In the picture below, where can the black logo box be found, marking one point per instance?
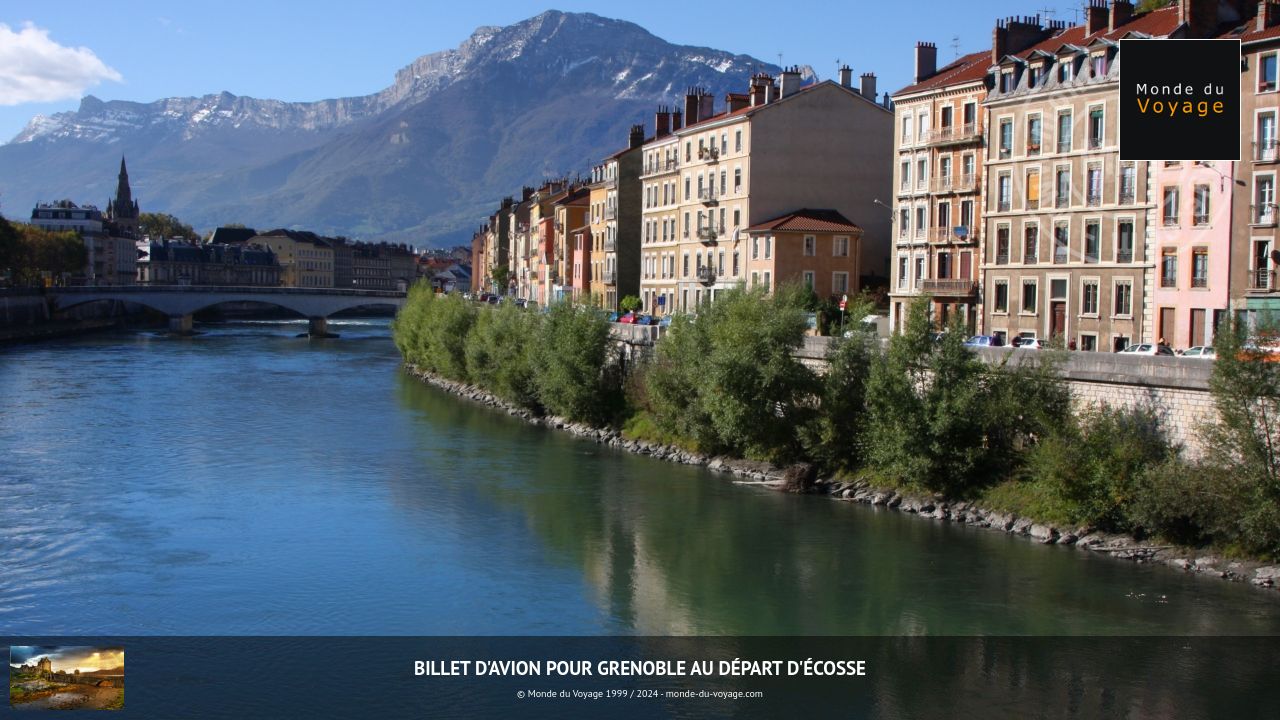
(1193, 65)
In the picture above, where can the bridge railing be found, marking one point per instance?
(228, 289)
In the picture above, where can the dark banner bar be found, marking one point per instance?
(646, 677)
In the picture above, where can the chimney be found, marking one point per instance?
(706, 104)
(1268, 14)
(691, 106)
(636, 139)
(846, 76)
(868, 88)
(1200, 17)
(662, 122)
(790, 81)
(1095, 16)
(1015, 34)
(758, 83)
(677, 121)
(770, 92)
(735, 101)
(926, 60)
(1121, 11)
(526, 193)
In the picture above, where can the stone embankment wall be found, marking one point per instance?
(1176, 388)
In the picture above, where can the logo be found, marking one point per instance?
(1179, 99)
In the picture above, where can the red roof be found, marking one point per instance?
(966, 69)
(807, 220)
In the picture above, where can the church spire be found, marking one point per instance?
(123, 209)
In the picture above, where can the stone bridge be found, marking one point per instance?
(180, 302)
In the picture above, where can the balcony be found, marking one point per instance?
(953, 135)
(709, 233)
(1002, 258)
(1032, 203)
(610, 244)
(1126, 196)
(1124, 255)
(1261, 280)
(948, 235)
(1199, 219)
(1263, 214)
(1064, 146)
(609, 277)
(1030, 256)
(1061, 201)
(708, 196)
(610, 212)
(1095, 143)
(706, 274)
(1265, 152)
(1093, 200)
(952, 288)
(1005, 153)
(1199, 281)
(1060, 256)
(710, 154)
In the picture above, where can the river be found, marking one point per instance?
(249, 482)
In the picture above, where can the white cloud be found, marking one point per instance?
(34, 68)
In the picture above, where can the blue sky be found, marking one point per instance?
(51, 54)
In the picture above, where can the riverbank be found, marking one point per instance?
(1189, 560)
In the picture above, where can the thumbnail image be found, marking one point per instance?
(52, 677)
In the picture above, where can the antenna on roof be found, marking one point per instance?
(780, 59)
(955, 45)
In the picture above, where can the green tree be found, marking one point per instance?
(501, 276)
(446, 322)
(163, 225)
(836, 437)
(569, 365)
(630, 303)
(499, 353)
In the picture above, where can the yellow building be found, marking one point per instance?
(305, 259)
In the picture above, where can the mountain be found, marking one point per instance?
(420, 162)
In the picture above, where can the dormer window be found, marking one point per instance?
(1064, 70)
(1034, 73)
(1006, 81)
(1099, 63)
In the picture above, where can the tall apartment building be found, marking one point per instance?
(774, 150)
(1255, 251)
(937, 176)
(594, 254)
(620, 243)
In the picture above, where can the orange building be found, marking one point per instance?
(819, 248)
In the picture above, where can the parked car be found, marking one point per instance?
(644, 320)
(494, 299)
(1026, 343)
(628, 319)
(664, 321)
(1148, 349)
(1205, 352)
(614, 317)
(984, 341)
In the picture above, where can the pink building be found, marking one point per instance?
(581, 267)
(1191, 250)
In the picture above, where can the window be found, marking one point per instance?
(1124, 298)
(1089, 297)
(905, 182)
(1031, 244)
(1033, 75)
(1265, 200)
(1128, 183)
(944, 170)
(919, 269)
(755, 248)
(944, 266)
(1096, 132)
(810, 245)
(1099, 63)
(686, 264)
(1267, 72)
(768, 247)
(1200, 268)
(766, 281)
(1064, 71)
(1006, 81)
(808, 279)
(1064, 132)
(1124, 241)
(1061, 243)
(1093, 185)
(1004, 186)
(1088, 342)
(1029, 290)
(686, 187)
(1002, 296)
(966, 215)
(735, 263)
(737, 180)
(737, 217)
(840, 246)
(1168, 268)
(906, 129)
(737, 141)
(1092, 240)
(1006, 138)
(1202, 205)
(902, 271)
(1170, 206)
(1062, 193)
(922, 221)
(922, 173)
(904, 222)
(1033, 135)
(970, 116)
(1032, 200)
(839, 283)
(1002, 245)
(944, 217)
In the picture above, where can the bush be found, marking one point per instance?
(409, 324)
(499, 353)
(569, 365)
(728, 379)
(928, 406)
(1097, 465)
(836, 437)
(446, 321)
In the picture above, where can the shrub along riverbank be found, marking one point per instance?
(922, 416)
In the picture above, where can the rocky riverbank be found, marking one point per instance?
(801, 478)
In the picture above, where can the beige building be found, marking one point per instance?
(937, 179)
(776, 149)
(593, 256)
(1255, 287)
(305, 259)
